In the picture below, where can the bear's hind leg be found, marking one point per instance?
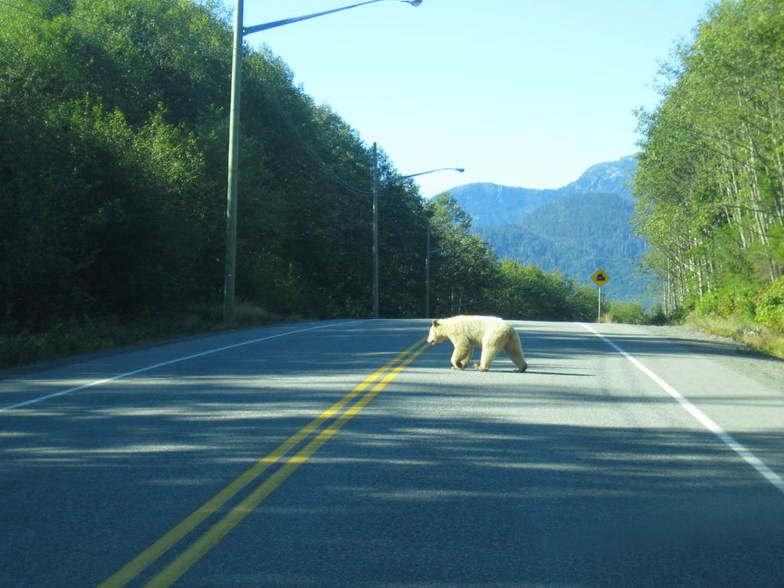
(488, 354)
(515, 352)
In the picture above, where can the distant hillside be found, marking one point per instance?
(576, 235)
(576, 229)
(491, 204)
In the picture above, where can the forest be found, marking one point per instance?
(710, 180)
(113, 150)
(577, 234)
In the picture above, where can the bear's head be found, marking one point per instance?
(436, 334)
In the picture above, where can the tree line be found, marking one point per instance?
(113, 138)
(710, 179)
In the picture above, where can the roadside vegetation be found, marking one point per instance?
(743, 330)
(100, 332)
(710, 179)
(466, 277)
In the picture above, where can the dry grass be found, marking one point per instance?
(743, 330)
(90, 334)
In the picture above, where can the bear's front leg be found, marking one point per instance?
(461, 356)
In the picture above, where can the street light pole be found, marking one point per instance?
(375, 232)
(233, 177)
(427, 270)
(376, 288)
(428, 251)
(230, 269)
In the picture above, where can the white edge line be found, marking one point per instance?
(701, 417)
(163, 364)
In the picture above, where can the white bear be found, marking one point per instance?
(488, 332)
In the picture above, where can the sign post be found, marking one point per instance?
(600, 278)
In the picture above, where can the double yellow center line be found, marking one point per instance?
(338, 415)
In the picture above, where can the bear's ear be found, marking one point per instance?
(435, 322)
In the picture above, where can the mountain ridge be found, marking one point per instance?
(491, 204)
(576, 229)
(610, 177)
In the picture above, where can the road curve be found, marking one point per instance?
(347, 453)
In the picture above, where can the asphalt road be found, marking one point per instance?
(347, 453)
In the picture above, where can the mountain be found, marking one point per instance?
(612, 177)
(490, 204)
(576, 229)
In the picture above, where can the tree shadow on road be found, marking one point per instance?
(452, 483)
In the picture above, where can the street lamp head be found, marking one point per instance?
(458, 169)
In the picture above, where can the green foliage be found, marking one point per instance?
(113, 134)
(727, 301)
(770, 306)
(710, 179)
(463, 269)
(631, 313)
(96, 332)
(530, 293)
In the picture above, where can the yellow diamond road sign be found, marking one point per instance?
(600, 278)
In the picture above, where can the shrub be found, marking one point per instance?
(770, 306)
(728, 301)
(627, 312)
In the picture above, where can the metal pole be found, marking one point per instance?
(375, 231)
(427, 273)
(234, 125)
(231, 191)
(599, 315)
(288, 21)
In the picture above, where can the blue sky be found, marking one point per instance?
(518, 92)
